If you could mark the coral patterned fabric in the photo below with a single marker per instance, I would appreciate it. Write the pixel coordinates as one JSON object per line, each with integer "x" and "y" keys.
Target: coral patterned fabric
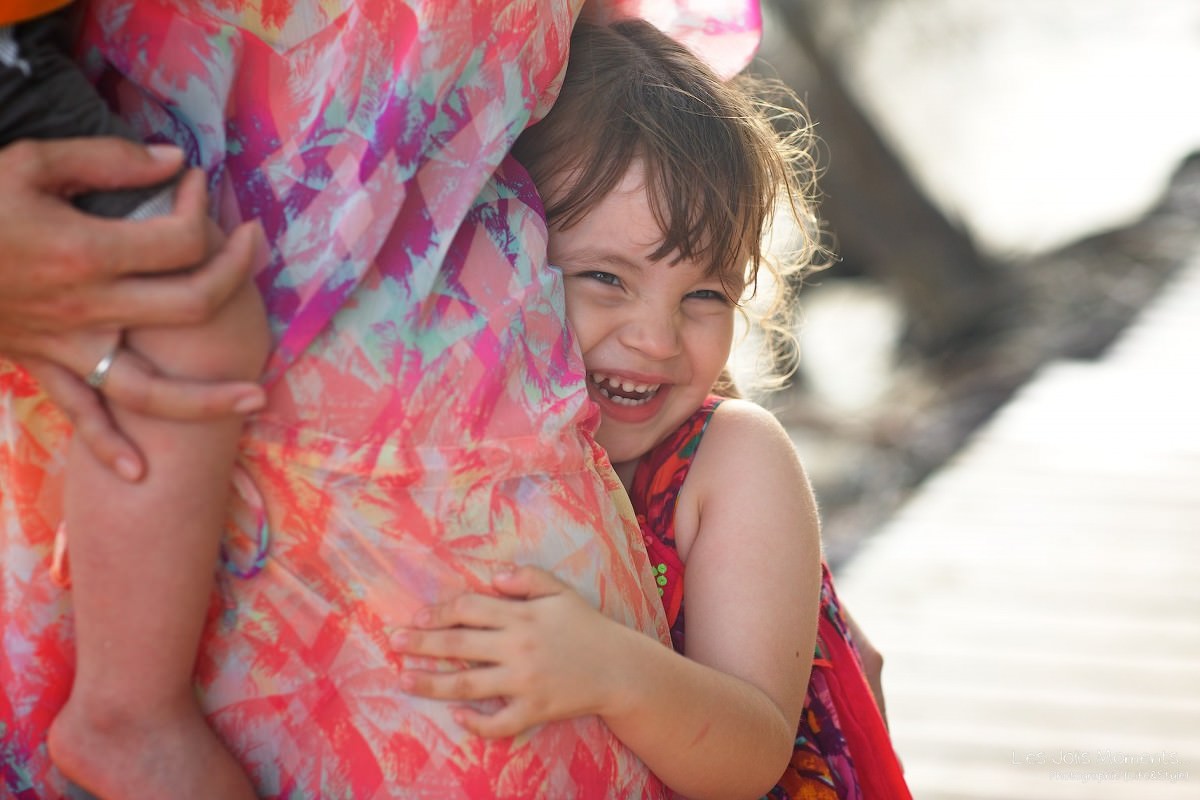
{"x": 427, "y": 418}
{"x": 842, "y": 749}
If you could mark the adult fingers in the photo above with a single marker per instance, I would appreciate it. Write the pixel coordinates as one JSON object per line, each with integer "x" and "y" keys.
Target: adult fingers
{"x": 19, "y": 344}
{"x": 71, "y": 166}
{"x": 186, "y": 298}
{"x": 41, "y": 174}
{"x": 92, "y": 423}
{"x": 79, "y": 351}
{"x": 134, "y": 385}
{"x": 167, "y": 243}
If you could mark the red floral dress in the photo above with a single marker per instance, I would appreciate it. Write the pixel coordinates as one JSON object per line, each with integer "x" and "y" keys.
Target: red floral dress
{"x": 842, "y": 749}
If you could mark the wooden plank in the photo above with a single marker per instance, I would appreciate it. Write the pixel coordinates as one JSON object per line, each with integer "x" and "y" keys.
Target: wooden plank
{"x": 1040, "y": 595}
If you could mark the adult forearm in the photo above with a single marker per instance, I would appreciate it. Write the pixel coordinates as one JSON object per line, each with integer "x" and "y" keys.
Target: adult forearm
{"x": 703, "y": 732}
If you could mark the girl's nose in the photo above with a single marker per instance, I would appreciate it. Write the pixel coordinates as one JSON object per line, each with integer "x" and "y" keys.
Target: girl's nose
{"x": 654, "y": 334}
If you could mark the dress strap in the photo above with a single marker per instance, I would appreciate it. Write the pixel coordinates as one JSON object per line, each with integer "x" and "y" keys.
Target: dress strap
{"x": 661, "y": 472}
{"x": 655, "y": 489}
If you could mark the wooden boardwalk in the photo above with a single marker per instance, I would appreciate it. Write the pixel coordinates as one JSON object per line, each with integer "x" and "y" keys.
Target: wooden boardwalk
{"x": 1038, "y": 600}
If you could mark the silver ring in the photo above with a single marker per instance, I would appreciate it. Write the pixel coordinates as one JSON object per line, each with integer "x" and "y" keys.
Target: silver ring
{"x": 99, "y": 373}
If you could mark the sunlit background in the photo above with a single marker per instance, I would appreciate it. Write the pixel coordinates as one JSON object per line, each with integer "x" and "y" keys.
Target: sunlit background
{"x": 998, "y": 386}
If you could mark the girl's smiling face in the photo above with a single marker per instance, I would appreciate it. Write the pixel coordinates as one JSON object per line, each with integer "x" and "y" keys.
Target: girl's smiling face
{"x": 654, "y": 334}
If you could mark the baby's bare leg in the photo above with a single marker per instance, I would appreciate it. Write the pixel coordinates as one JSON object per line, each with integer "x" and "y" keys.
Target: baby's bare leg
{"x": 142, "y": 564}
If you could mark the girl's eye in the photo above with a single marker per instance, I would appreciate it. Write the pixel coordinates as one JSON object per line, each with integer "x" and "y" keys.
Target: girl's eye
{"x": 709, "y": 294}
{"x": 603, "y": 277}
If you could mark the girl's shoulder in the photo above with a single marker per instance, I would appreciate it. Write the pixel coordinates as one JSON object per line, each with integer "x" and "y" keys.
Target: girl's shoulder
{"x": 744, "y": 443}
{"x": 741, "y": 427}
{"x": 745, "y": 461}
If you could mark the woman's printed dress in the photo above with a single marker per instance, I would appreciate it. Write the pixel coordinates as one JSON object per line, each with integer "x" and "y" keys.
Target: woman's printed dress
{"x": 842, "y": 750}
{"x": 427, "y": 419}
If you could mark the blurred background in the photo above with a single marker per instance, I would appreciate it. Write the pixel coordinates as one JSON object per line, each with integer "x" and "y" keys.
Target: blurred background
{"x": 1008, "y": 465}
{"x": 1008, "y": 183}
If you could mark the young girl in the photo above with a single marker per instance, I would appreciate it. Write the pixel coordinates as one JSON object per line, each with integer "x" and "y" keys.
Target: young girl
{"x": 660, "y": 181}
{"x": 142, "y": 554}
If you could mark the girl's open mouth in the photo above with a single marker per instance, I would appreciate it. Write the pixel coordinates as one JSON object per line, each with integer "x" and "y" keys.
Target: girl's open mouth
{"x": 623, "y": 392}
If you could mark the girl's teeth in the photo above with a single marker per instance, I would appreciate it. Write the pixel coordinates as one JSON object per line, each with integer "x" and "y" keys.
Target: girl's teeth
{"x": 607, "y": 385}
{"x": 600, "y": 379}
{"x": 622, "y": 401}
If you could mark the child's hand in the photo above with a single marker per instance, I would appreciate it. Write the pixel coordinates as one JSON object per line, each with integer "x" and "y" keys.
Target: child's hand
{"x": 541, "y": 647}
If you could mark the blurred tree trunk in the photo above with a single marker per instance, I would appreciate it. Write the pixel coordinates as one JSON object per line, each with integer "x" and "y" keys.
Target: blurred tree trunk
{"x": 884, "y": 224}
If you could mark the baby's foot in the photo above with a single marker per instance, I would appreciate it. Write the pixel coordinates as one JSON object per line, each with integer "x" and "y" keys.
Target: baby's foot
{"x": 171, "y": 755}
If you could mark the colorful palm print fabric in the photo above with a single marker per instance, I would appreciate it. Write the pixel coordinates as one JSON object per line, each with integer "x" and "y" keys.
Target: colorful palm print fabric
{"x": 427, "y": 418}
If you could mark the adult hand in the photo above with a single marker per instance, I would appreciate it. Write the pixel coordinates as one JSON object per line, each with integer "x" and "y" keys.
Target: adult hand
{"x": 69, "y": 282}
{"x": 62, "y": 269}
{"x": 541, "y": 647}
{"x": 132, "y": 382}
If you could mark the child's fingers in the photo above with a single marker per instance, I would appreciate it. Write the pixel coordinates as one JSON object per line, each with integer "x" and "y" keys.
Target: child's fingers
{"x": 465, "y": 644}
{"x": 474, "y": 683}
{"x": 508, "y": 721}
{"x": 527, "y": 583}
{"x": 471, "y": 610}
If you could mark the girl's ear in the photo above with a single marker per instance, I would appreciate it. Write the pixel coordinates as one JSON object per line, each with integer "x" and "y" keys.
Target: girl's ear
{"x": 725, "y": 387}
